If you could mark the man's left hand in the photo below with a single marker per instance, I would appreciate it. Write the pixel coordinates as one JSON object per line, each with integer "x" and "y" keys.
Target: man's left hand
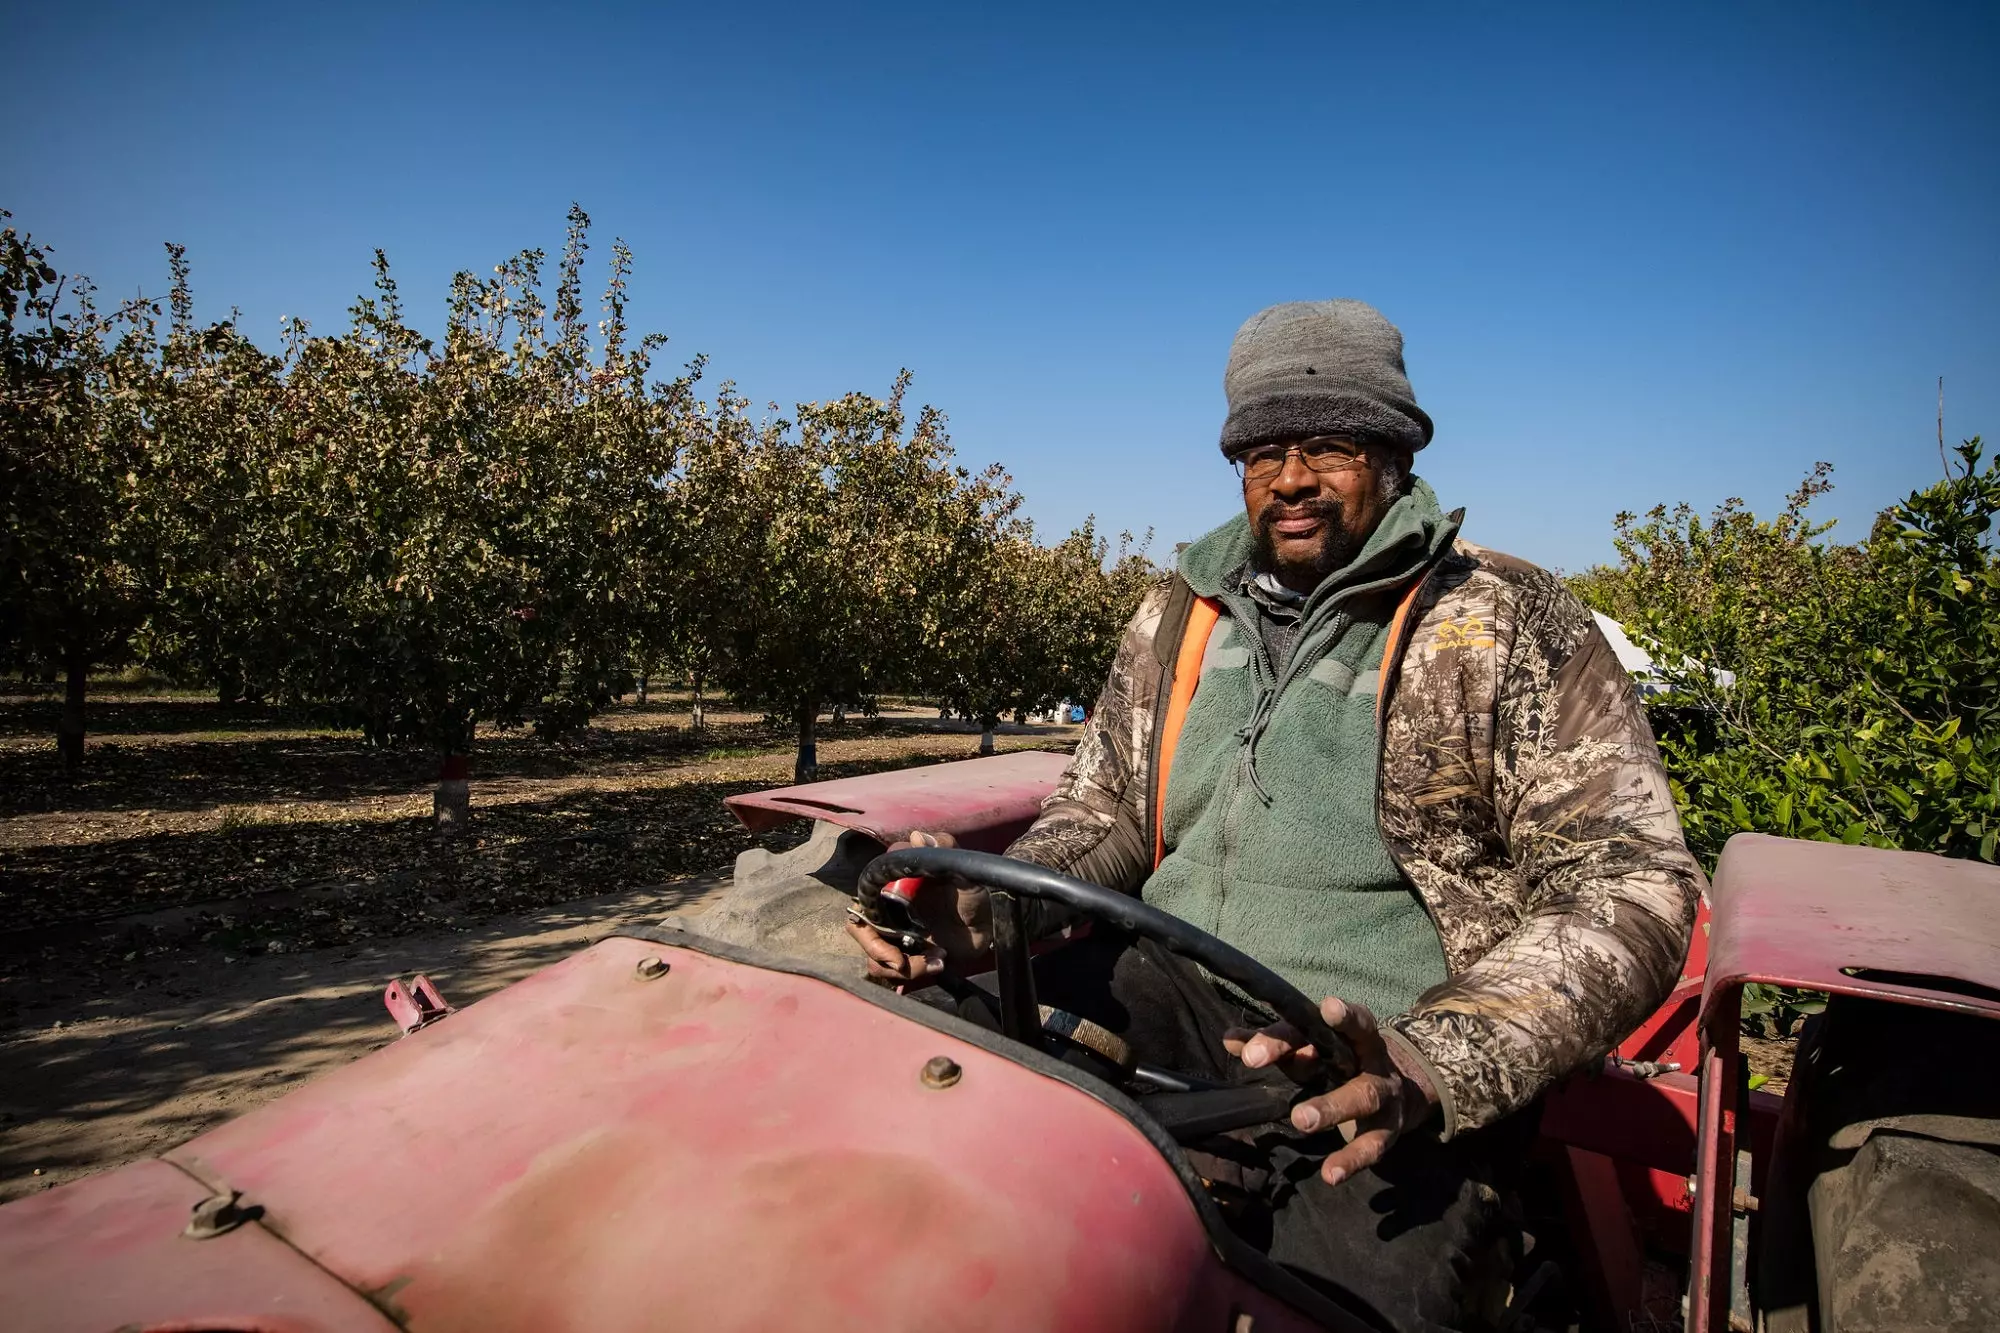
{"x": 1383, "y": 1100}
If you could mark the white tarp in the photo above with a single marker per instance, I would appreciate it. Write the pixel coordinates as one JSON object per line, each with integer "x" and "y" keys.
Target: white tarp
{"x": 1630, "y": 655}
{"x": 1638, "y": 663}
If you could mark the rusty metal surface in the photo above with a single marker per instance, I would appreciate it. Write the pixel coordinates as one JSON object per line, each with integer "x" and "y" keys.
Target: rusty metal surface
{"x": 109, "y": 1252}
{"x": 1899, "y": 926}
{"x": 985, "y": 803}
{"x": 1902, "y": 927}
{"x": 1714, "y": 1186}
{"x": 721, "y": 1147}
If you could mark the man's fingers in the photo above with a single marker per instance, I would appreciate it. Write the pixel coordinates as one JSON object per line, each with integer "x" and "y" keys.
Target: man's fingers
{"x": 1264, "y": 1049}
{"x": 943, "y": 900}
{"x": 1269, "y": 1046}
{"x": 1364, "y": 1151}
{"x": 873, "y": 946}
{"x": 885, "y": 961}
{"x": 1357, "y": 1024}
{"x": 1360, "y": 1098}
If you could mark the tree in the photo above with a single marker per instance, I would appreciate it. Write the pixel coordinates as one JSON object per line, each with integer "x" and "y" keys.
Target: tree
{"x": 861, "y": 525}
{"x": 77, "y": 541}
{"x": 217, "y": 405}
{"x": 991, "y": 647}
{"x": 1104, "y": 586}
{"x": 1032, "y": 625}
{"x": 713, "y": 552}
{"x": 461, "y": 522}
{"x": 1866, "y": 677}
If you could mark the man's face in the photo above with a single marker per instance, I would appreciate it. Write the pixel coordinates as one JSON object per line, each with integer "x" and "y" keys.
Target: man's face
{"x": 1306, "y": 523}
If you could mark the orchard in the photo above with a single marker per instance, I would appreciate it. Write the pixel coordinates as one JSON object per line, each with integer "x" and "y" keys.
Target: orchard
{"x": 508, "y": 525}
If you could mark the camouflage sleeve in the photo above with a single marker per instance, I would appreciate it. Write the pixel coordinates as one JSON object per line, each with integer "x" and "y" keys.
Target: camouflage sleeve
{"x": 1093, "y": 825}
{"x": 1588, "y": 819}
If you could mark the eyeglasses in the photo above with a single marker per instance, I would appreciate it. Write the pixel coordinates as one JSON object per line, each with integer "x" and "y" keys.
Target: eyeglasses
{"x": 1321, "y": 453}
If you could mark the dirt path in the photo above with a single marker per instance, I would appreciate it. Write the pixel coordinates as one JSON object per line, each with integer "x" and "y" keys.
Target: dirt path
{"x": 123, "y": 1076}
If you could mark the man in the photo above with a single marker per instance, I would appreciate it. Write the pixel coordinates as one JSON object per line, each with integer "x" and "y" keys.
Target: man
{"x": 1410, "y": 775}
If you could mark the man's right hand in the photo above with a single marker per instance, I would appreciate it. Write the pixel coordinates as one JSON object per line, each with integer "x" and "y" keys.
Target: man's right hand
{"x": 954, "y": 912}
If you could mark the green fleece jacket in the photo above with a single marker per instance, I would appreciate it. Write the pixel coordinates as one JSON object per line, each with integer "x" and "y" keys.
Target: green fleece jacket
{"x": 1270, "y": 811}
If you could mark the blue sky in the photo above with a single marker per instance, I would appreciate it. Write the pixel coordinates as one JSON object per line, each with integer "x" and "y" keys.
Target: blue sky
{"x": 1639, "y": 254}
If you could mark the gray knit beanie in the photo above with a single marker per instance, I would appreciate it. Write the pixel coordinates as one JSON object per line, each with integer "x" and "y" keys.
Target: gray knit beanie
{"x": 1320, "y": 368}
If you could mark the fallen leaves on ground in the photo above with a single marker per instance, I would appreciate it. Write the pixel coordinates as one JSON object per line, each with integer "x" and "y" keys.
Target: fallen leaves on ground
{"x": 246, "y": 845}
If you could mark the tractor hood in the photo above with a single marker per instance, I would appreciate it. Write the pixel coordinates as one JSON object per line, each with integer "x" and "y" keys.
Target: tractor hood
{"x": 614, "y": 1143}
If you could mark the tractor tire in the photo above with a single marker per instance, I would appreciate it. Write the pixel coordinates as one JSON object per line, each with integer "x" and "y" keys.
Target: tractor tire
{"x": 1897, "y": 1227}
{"x": 1907, "y": 1236}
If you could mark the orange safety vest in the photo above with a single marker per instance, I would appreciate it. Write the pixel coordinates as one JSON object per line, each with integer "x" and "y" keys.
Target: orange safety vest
{"x": 1202, "y": 617}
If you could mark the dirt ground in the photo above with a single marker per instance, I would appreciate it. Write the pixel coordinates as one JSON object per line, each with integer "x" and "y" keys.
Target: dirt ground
{"x": 208, "y": 917}
{"x": 184, "y": 805}
{"x": 1771, "y": 1057}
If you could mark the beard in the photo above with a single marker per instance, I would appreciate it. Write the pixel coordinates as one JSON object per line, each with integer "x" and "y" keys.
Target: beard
{"x": 1336, "y": 548}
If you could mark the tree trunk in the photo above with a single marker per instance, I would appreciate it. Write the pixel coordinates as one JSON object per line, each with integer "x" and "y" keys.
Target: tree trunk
{"x": 642, "y": 689}
{"x": 986, "y": 725}
{"x": 807, "y": 768}
{"x": 695, "y": 724}
{"x": 451, "y": 804}
{"x": 69, "y": 729}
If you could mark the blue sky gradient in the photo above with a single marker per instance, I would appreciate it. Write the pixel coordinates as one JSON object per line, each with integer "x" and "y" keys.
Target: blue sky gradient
{"x": 1637, "y": 256}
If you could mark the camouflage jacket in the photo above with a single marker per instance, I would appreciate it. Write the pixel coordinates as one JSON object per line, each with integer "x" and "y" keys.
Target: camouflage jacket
{"x": 1520, "y": 792}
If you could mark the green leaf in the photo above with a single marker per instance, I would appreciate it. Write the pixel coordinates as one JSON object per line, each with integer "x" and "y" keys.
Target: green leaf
{"x": 1850, "y": 767}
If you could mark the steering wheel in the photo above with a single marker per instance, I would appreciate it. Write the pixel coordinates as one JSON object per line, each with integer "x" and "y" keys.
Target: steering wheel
{"x": 1007, "y": 880}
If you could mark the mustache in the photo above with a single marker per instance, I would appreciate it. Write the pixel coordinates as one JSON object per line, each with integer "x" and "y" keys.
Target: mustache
{"x": 1324, "y": 507}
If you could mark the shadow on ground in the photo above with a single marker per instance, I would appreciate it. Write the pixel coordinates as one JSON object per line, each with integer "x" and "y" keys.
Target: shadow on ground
{"x": 177, "y": 768}
{"x": 311, "y": 885}
{"x": 33, "y": 716}
{"x": 183, "y": 755}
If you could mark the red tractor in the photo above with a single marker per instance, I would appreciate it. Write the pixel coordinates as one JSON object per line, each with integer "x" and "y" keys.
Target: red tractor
{"x": 721, "y": 1127}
